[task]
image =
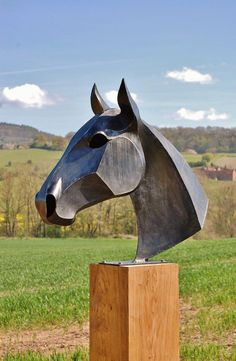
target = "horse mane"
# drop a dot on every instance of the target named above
(169, 203)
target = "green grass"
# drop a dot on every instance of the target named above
(209, 352)
(44, 282)
(192, 157)
(196, 353)
(188, 353)
(215, 158)
(19, 156)
(79, 355)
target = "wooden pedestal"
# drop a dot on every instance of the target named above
(134, 312)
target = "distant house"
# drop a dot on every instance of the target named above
(190, 151)
(8, 146)
(223, 174)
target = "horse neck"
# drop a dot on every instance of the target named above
(163, 209)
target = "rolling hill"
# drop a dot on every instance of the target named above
(19, 134)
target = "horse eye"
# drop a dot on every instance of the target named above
(98, 140)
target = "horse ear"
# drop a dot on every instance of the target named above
(97, 103)
(126, 103)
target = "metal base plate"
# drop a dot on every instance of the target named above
(132, 263)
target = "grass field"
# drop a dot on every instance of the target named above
(19, 156)
(216, 157)
(44, 283)
(36, 156)
(228, 162)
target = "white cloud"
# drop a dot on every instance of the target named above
(200, 115)
(184, 113)
(189, 75)
(26, 96)
(213, 115)
(112, 96)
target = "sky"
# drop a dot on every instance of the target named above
(178, 59)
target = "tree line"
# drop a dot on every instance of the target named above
(200, 139)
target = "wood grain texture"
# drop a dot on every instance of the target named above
(134, 313)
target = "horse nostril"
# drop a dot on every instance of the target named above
(51, 204)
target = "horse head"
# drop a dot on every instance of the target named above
(103, 160)
(114, 154)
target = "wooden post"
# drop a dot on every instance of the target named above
(134, 312)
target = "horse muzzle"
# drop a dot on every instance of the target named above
(46, 204)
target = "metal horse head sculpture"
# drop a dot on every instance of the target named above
(114, 154)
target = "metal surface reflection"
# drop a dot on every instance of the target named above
(114, 154)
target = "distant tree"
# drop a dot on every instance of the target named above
(40, 141)
(58, 143)
(225, 216)
(199, 163)
(207, 157)
(69, 135)
(202, 139)
(51, 142)
(11, 203)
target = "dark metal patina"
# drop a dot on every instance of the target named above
(114, 154)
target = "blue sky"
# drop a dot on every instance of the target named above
(178, 59)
